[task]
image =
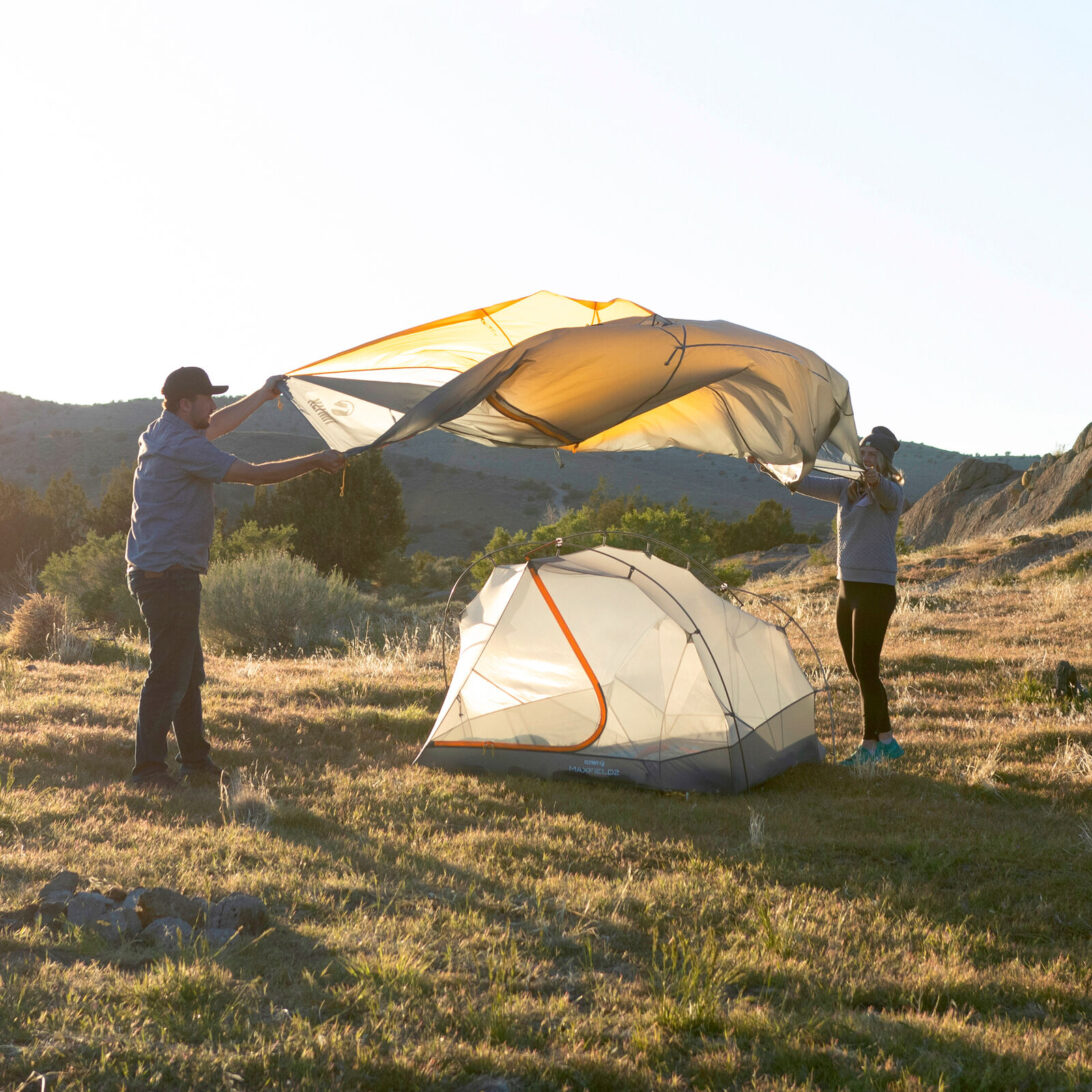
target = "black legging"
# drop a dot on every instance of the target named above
(864, 609)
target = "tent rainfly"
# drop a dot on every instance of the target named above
(609, 663)
(555, 372)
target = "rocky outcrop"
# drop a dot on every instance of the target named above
(979, 497)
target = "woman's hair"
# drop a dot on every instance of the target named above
(889, 471)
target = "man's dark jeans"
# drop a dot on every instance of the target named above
(170, 603)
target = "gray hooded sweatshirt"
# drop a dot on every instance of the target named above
(866, 528)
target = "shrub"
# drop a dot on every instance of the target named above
(66, 646)
(249, 538)
(1080, 561)
(1028, 690)
(34, 622)
(274, 602)
(435, 573)
(732, 573)
(92, 577)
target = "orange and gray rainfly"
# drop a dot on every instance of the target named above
(550, 371)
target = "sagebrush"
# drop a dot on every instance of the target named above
(271, 601)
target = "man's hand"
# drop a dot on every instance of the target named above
(330, 462)
(269, 388)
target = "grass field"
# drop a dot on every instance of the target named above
(920, 926)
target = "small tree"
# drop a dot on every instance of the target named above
(682, 526)
(769, 525)
(26, 526)
(68, 509)
(354, 532)
(115, 506)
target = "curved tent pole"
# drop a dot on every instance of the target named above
(696, 633)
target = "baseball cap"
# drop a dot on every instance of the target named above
(187, 382)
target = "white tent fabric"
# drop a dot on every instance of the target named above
(611, 663)
(549, 371)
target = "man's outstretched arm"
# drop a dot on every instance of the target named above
(282, 470)
(224, 420)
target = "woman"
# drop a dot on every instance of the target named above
(868, 515)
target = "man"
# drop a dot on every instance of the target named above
(168, 550)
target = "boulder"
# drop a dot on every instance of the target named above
(16, 919)
(52, 910)
(946, 512)
(162, 902)
(132, 902)
(168, 933)
(221, 938)
(484, 1083)
(239, 911)
(159, 915)
(779, 559)
(60, 887)
(1036, 551)
(119, 924)
(86, 907)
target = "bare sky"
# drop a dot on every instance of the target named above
(904, 188)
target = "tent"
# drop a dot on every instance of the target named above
(549, 371)
(610, 663)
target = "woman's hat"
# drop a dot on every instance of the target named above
(883, 440)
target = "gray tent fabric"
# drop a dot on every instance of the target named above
(609, 663)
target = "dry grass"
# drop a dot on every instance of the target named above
(923, 926)
(35, 623)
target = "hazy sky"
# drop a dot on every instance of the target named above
(904, 187)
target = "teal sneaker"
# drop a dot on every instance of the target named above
(891, 749)
(862, 757)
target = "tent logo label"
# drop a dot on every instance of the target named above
(342, 407)
(320, 410)
(595, 767)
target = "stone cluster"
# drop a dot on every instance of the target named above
(158, 916)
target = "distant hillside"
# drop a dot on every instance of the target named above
(455, 492)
